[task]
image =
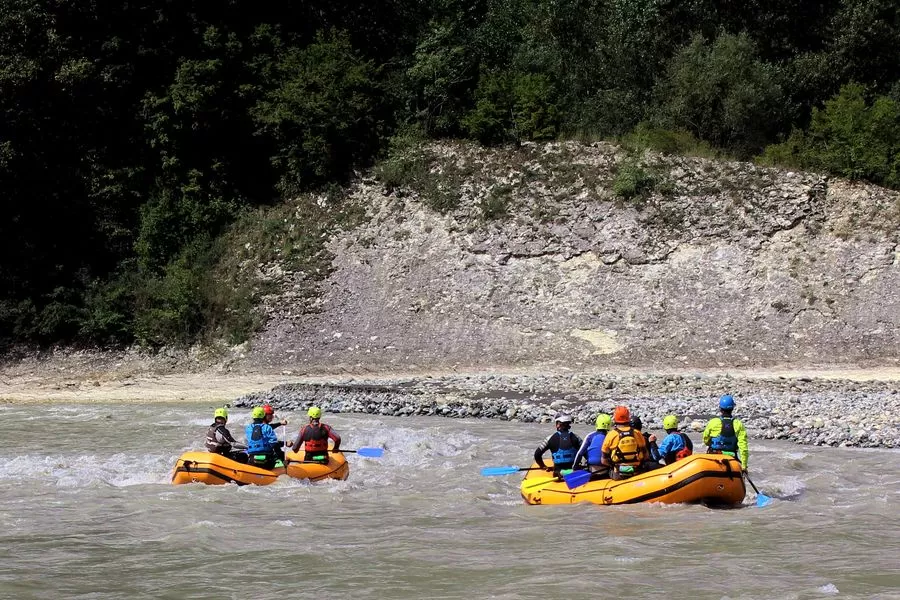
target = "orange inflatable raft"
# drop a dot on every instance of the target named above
(708, 478)
(215, 469)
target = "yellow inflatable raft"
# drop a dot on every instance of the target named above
(215, 469)
(709, 478)
(336, 468)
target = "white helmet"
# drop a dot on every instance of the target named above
(563, 419)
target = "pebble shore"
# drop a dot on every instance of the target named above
(807, 411)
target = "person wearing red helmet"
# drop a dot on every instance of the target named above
(270, 416)
(624, 449)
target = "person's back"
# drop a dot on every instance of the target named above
(624, 448)
(314, 438)
(649, 438)
(261, 440)
(591, 450)
(562, 444)
(726, 435)
(220, 441)
(676, 445)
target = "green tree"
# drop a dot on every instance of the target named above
(325, 113)
(722, 93)
(850, 137)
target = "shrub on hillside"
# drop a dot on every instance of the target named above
(849, 137)
(633, 181)
(667, 141)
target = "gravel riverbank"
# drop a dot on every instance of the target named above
(804, 410)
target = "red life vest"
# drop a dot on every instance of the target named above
(315, 438)
(684, 452)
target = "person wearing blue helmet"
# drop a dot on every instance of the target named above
(727, 435)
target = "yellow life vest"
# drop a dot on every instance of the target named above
(626, 451)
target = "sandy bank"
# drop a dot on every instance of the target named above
(51, 383)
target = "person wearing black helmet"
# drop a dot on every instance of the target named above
(652, 446)
(562, 444)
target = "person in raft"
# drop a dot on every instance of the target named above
(590, 449)
(220, 441)
(314, 438)
(676, 445)
(270, 417)
(652, 448)
(727, 435)
(624, 449)
(562, 445)
(263, 447)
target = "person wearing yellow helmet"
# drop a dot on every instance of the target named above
(590, 449)
(263, 447)
(314, 438)
(220, 441)
(676, 445)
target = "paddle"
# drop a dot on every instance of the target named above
(493, 471)
(367, 452)
(761, 499)
(576, 479)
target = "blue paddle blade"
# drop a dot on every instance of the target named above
(371, 452)
(762, 500)
(577, 479)
(494, 471)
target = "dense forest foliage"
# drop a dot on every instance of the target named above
(136, 136)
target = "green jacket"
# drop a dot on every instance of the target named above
(714, 428)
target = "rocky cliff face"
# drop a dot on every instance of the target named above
(532, 259)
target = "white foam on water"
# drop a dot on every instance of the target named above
(80, 470)
(796, 455)
(205, 525)
(829, 588)
(285, 523)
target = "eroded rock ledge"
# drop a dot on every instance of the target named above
(535, 261)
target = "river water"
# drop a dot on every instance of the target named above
(87, 511)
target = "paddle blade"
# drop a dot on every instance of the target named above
(494, 471)
(577, 479)
(371, 452)
(762, 500)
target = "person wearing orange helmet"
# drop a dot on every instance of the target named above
(624, 449)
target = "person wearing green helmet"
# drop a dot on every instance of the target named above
(220, 441)
(314, 438)
(676, 445)
(263, 447)
(590, 449)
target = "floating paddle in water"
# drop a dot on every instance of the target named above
(367, 452)
(493, 471)
(761, 499)
(576, 479)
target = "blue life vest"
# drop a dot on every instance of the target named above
(256, 441)
(726, 441)
(593, 450)
(566, 452)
